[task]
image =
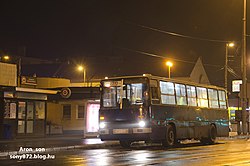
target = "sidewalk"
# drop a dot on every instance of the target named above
(52, 143)
(57, 143)
(235, 135)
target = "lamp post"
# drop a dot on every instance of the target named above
(244, 73)
(226, 61)
(169, 64)
(81, 68)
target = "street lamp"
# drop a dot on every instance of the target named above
(231, 44)
(82, 69)
(6, 57)
(169, 64)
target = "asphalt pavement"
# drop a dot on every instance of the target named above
(62, 142)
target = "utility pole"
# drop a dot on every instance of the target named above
(244, 74)
(228, 45)
(226, 64)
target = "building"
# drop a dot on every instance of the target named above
(75, 109)
(8, 79)
(23, 107)
(25, 112)
(198, 74)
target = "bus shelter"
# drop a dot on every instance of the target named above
(25, 111)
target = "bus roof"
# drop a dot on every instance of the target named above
(149, 76)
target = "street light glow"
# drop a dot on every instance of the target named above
(169, 64)
(80, 68)
(231, 44)
(6, 57)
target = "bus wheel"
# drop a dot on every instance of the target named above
(125, 144)
(170, 138)
(211, 136)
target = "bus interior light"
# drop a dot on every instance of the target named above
(102, 125)
(142, 124)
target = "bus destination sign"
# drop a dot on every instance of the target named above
(112, 83)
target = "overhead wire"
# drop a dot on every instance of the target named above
(163, 57)
(177, 35)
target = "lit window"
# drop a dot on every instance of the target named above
(167, 92)
(222, 99)
(213, 98)
(191, 94)
(202, 97)
(180, 90)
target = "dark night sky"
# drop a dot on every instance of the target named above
(99, 34)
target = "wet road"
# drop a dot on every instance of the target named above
(229, 152)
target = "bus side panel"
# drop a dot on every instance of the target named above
(162, 115)
(222, 124)
(158, 133)
(207, 117)
(190, 122)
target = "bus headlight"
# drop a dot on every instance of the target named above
(142, 124)
(102, 125)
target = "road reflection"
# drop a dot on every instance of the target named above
(222, 153)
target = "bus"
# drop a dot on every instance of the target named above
(164, 110)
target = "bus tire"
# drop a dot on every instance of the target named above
(125, 144)
(212, 134)
(170, 137)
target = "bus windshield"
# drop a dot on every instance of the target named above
(126, 94)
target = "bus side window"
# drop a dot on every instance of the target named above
(202, 97)
(222, 99)
(180, 90)
(154, 92)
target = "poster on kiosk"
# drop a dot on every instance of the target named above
(92, 119)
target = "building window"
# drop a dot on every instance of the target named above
(80, 112)
(40, 109)
(66, 111)
(10, 110)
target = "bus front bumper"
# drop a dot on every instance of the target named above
(125, 133)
